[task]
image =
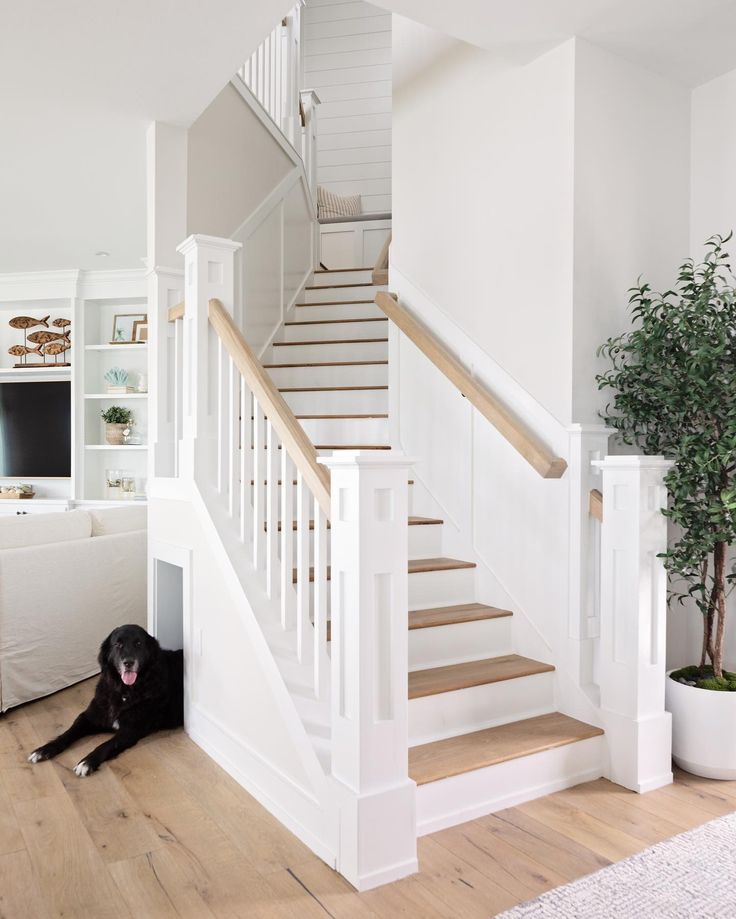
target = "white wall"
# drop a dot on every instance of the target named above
(713, 200)
(347, 60)
(712, 210)
(632, 178)
(232, 165)
(483, 203)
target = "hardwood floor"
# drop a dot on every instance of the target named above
(164, 832)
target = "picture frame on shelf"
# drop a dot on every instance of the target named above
(123, 327)
(140, 330)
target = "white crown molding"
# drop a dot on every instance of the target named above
(73, 283)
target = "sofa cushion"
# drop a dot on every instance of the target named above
(39, 529)
(110, 520)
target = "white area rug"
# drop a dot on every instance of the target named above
(692, 876)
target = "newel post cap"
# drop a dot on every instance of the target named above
(211, 242)
(370, 459)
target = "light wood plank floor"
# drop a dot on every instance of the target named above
(164, 832)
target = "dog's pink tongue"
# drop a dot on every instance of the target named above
(129, 677)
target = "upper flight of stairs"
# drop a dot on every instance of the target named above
(483, 729)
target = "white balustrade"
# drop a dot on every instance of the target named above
(633, 616)
(309, 101)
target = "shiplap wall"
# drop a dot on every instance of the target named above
(347, 60)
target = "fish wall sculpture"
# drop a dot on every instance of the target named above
(28, 322)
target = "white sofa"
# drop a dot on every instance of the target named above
(66, 580)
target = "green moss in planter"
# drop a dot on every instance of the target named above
(704, 679)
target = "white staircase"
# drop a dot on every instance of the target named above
(483, 727)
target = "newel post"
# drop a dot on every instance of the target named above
(208, 274)
(369, 667)
(634, 621)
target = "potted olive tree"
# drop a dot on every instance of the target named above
(116, 419)
(673, 384)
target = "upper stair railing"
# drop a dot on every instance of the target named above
(273, 73)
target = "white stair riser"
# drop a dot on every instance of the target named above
(361, 375)
(346, 430)
(339, 351)
(464, 641)
(355, 310)
(456, 584)
(460, 798)
(477, 707)
(424, 541)
(328, 294)
(336, 330)
(338, 402)
(441, 588)
(364, 276)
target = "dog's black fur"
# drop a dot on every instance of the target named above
(153, 701)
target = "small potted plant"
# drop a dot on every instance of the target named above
(674, 383)
(116, 420)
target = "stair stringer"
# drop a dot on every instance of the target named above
(291, 785)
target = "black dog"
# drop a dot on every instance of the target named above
(140, 690)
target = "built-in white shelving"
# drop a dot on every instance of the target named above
(123, 448)
(136, 346)
(116, 396)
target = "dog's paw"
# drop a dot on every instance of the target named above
(42, 753)
(84, 767)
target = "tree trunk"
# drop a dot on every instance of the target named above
(719, 597)
(707, 649)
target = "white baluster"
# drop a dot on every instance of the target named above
(287, 541)
(233, 385)
(246, 459)
(303, 623)
(272, 511)
(223, 416)
(321, 587)
(259, 488)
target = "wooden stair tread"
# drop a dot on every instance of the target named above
(418, 566)
(333, 303)
(335, 321)
(442, 759)
(342, 447)
(326, 364)
(413, 522)
(338, 286)
(452, 615)
(331, 341)
(294, 481)
(330, 388)
(473, 673)
(339, 270)
(328, 417)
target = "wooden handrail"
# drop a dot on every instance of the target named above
(176, 311)
(292, 436)
(595, 504)
(509, 426)
(380, 269)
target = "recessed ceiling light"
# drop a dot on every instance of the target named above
(102, 253)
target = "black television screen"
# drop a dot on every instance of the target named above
(35, 429)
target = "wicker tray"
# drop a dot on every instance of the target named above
(17, 495)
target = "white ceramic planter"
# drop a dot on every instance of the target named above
(703, 729)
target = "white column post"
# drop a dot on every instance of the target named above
(165, 289)
(208, 274)
(633, 621)
(369, 667)
(310, 101)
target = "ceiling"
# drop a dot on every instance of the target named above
(80, 81)
(689, 41)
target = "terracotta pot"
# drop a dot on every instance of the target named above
(703, 729)
(114, 434)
